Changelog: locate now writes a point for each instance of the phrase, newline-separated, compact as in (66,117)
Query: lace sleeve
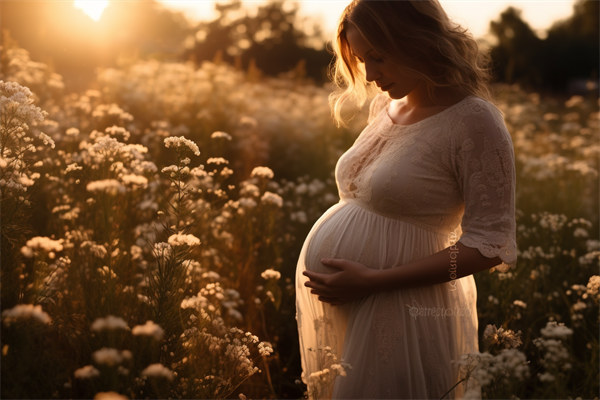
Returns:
(484,165)
(378,103)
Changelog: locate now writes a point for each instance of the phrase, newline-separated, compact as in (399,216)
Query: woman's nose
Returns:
(372,73)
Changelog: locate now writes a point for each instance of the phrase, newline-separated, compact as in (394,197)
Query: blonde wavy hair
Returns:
(412,33)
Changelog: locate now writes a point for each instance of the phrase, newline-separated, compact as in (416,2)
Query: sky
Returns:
(472,14)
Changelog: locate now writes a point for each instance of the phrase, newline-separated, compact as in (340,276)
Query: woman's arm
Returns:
(354,280)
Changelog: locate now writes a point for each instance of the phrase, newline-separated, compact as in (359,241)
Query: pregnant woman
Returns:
(386,300)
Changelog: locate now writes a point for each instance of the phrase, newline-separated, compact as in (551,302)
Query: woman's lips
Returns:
(387,87)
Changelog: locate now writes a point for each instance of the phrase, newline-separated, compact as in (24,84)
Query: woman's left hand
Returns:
(352,281)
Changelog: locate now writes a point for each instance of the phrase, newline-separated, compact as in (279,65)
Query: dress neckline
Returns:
(426,119)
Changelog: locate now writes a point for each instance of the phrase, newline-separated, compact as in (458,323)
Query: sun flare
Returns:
(92,8)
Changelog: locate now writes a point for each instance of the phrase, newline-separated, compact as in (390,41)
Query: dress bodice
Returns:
(452,170)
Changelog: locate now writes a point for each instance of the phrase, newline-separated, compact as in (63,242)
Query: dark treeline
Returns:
(275,39)
(564,61)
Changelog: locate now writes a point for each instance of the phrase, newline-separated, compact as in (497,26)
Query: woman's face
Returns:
(389,76)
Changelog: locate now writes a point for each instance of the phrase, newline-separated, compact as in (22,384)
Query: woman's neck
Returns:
(421,98)
(419,105)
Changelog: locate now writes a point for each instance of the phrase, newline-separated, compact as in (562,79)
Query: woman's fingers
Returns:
(326,278)
(337,263)
(318,277)
(339,287)
(315,285)
(331,300)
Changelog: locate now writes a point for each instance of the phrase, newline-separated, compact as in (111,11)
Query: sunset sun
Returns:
(93,8)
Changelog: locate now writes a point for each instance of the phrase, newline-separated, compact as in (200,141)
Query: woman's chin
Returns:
(395,94)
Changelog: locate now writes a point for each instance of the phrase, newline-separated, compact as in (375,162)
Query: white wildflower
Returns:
(18,100)
(299,216)
(105,146)
(270,274)
(136,180)
(180,239)
(546,377)
(109,396)
(182,143)
(217,161)
(41,244)
(149,329)
(262,172)
(25,312)
(47,140)
(580,232)
(265,349)
(226,172)
(170,169)
(580,305)
(211,275)
(301,188)
(87,372)
(593,285)
(506,338)
(158,371)
(247,203)
(556,331)
(520,303)
(249,190)
(194,302)
(220,135)
(25,180)
(108,186)
(109,323)
(73,167)
(272,198)
(574,101)
(108,356)
(118,131)
(97,250)
(162,249)
(72,132)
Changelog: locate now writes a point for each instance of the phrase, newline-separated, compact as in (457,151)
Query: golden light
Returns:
(93,8)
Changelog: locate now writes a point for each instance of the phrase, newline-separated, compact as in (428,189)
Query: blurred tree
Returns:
(570,52)
(516,48)
(274,40)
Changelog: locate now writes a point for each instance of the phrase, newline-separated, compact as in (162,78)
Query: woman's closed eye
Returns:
(371,57)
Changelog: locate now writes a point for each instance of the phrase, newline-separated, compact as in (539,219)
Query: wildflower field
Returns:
(151,224)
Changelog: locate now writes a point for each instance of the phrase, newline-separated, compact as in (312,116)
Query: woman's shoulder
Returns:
(479,119)
(481,109)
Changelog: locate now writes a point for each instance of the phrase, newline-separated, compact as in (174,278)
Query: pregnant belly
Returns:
(355,233)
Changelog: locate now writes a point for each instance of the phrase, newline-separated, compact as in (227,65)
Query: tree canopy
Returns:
(274,39)
(568,54)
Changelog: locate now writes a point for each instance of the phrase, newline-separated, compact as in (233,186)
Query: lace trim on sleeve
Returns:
(485,170)
(506,252)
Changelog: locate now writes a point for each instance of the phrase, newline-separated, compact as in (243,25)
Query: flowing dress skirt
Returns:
(394,344)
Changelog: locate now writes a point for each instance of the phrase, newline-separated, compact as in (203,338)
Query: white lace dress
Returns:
(406,192)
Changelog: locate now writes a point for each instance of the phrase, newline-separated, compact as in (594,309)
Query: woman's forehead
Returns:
(358,44)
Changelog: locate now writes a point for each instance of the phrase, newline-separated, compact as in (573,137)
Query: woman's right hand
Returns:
(350,282)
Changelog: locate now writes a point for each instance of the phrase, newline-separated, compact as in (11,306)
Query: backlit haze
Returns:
(472,14)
